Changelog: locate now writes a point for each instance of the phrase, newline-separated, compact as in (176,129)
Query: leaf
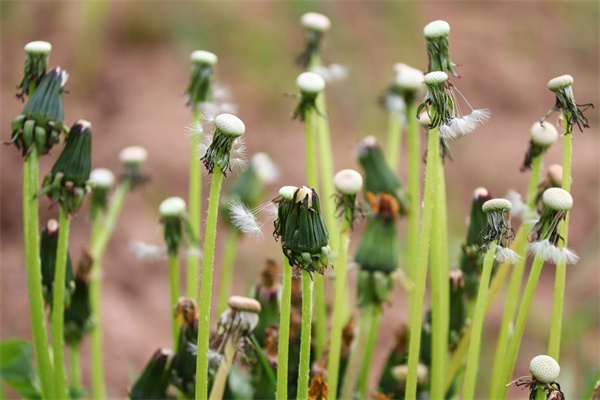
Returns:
(16,368)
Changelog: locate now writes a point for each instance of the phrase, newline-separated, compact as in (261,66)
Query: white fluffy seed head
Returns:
(436,78)
(554,173)
(287,192)
(560,82)
(230,125)
(315,21)
(496,205)
(436,29)
(557,199)
(102,178)
(133,155)
(203,57)
(310,82)
(544,369)
(172,207)
(348,182)
(544,134)
(242,303)
(408,78)
(38,47)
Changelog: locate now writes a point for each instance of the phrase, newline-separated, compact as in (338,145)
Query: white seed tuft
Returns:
(544,134)
(287,192)
(539,249)
(348,182)
(544,369)
(331,73)
(460,126)
(38,47)
(569,256)
(133,155)
(506,255)
(230,125)
(242,303)
(496,205)
(204,57)
(102,178)
(408,78)
(265,168)
(436,29)
(148,252)
(554,173)
(519,208)
(244,219)
(560,82)
(310,82)
(172,207)
(316,22)
(400,373)
(436,78)
(557,199)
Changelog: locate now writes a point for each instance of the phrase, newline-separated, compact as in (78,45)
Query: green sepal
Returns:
(48,246)
(78,314)
(378,248)
(199,88)
(438,51)
(218,153)
(154,380)
(308,102)
(34,71)
(312,49)
(183,375)
(438,104)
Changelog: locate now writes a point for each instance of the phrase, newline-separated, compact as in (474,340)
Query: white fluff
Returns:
(519,208)
(552,254)
(148,252)
(570,256)
(244,219)
(460,126)
(266,169)
(332,73)
(504,255)
(538,249)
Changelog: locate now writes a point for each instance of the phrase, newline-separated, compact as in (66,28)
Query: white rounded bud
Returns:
(436,29)
(303,193)
(544,134)
(560,82)
(315,21)
(310,82)
(287,192)
(400,373)
(230,125)
(348,182)
(241,303)
(544,369)
(554,173)
(38,47)
(102,178)
(204,57)
(436,78)
(408,78)
(496,205)
(172,207)
(557,199)
(481,193)
(133,155)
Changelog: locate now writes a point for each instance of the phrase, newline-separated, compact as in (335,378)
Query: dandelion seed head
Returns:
(436,78)
(315,21)
(408,78)
(348,182)
(102,178)
(496,205)
(557,199)
(544,134)
(560,82)
(38,47)
(203,57)
(544,369)
(506,255)
(436,29)
(310,82)
(242,303)
(172,207)
(230,125)
(133,155)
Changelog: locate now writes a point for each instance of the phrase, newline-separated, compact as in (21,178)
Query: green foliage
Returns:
(16,368)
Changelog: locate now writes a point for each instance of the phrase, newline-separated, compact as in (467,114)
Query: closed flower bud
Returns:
(35,66)
(154,380)
(175,223)
(48,246)
(132,158)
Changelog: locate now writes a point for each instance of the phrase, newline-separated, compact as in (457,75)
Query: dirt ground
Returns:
(128,65)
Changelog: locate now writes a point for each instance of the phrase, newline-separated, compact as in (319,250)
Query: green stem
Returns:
(478,319)
(413,140)
(284,331)
(194,214)
(74,366)
(34,274)
(370,345)
(206,288)
(353,367)
(218,387)
(227,269)
(440,288)
(262,359)
(515,341)
(101,233)
(339,304)
(174,295)
(58,307)
(534,181)
(305,336)
(416,314)
(560,276)
(394,139)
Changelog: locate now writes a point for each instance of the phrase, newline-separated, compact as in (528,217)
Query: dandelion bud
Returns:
(172,212)
(316,25)
(560,82)
(348,182)
(228,128)
(544,369)
(436,35)
(154,380)
(200,86)
(562,86)
(101,180)
(78,315)
(555,174)
(35,66)
(48,246)
(315,21)
(557,199)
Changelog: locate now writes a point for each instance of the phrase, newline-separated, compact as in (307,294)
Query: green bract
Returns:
(154,380)
(228,128)
(35,66)
(78,315)
(436,36)
(48,245)
(562,86)
(199,88)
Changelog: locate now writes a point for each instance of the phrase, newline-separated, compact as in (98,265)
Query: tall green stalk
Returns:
(34,273)
(218,387)
(227,269)
(353,366)
(74,367)
(305,336)
(174,295)
(284,331)
(478,319)
(58,307)
(413,140)
(394,142)
(206,288)
(372,329)
(102,230)
(416,315)
(194,213)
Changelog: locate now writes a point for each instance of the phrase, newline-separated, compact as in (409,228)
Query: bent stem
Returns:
(194,214)
(206,288)
(372,330)
(478,319)
(414,187)
(74,366)
(416,315)
(218,387)
(305,336)
(227,269)
(284,331)
(174,295)
(34,274)
(394,138)
(58,307)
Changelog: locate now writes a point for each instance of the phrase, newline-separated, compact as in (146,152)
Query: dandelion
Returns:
(499,230)
(562,86)
(199,89)
(154,380)
(436,35)
(331,73)
(132,158)
(35,67)
(544,373)
(310,85)
(101,182)
(316,25)
(543,135)
(48,247)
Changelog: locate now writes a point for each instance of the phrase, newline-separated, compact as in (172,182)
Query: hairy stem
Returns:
(413,140)
(174,295)
(194,214)
(305,337)
(227,269)
(284,331)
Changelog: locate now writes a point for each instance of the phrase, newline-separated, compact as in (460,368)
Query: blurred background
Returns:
(129,66)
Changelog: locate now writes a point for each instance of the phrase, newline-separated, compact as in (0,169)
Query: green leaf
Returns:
(16,368)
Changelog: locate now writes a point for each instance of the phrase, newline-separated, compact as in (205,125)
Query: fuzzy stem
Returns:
(305,336)
(101,232)
(440,287)
(353,366)
(206,288)
(515,341)
(34,274)
(370,345)
(476,330)
(338,307)
(194,213)
(416,315)
(414,186)
(75,369)
(394,139)
(534,181)
(58,307)
(218,387)
(284,331)
(174,295)
(227,269)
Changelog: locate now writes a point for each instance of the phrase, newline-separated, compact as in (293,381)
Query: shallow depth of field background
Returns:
(129,65)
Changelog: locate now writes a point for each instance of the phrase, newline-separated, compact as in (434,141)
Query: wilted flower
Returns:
(562,86)
(310,85)
(199,88)
(35,66)
(499,230)
(543,135)
(315,25)
(544,373)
